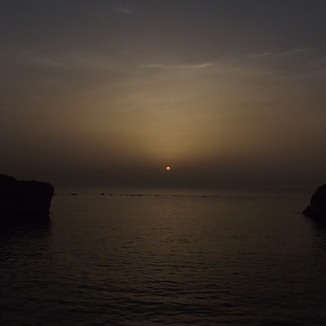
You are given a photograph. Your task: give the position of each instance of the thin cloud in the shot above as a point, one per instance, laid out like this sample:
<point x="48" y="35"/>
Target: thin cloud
<point x="281" y="54"/>
<point x="28" y="56"/>
<point x="124" y="10"/>
<point x="199" y="66"/>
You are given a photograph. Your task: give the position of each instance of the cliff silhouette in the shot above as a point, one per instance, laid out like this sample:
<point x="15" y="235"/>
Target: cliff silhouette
<point x="24" y="199"/>
<point x="317" y="207"/>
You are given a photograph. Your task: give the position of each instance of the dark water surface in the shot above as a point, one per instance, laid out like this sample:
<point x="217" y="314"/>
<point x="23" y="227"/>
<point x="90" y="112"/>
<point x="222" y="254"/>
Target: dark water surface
<point x="230" y="259"/>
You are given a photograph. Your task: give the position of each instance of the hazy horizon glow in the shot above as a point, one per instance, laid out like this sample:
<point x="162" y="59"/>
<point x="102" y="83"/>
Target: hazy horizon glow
<point x="227" y="93"/>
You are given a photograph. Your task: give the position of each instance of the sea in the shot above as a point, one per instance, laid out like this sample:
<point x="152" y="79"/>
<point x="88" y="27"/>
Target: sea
<point x="166" y="257"/>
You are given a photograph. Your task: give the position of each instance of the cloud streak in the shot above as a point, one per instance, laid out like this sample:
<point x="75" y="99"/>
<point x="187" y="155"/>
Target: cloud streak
<point x="179" y="66"/>
<point x="281" y="54"/>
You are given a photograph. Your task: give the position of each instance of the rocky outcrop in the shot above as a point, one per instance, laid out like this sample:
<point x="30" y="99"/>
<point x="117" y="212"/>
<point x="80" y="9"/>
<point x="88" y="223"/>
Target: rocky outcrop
<point x="24" y="198"/>
<point x="317" y="207"/>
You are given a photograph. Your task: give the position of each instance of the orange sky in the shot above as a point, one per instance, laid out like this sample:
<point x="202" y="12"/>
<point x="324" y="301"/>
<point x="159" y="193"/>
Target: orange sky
<point x="111" y="92"/>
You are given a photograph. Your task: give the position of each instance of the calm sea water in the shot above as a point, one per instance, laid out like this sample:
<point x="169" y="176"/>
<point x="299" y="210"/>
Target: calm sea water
<point x="168" y="257"/>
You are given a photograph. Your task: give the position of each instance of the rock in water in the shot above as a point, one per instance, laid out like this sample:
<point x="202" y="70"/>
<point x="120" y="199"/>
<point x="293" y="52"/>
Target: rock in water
<point x="317" y="207"/>
<point x="24" y="198"/>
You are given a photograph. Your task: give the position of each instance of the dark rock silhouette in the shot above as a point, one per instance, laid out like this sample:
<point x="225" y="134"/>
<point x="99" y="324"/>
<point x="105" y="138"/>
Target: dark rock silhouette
<point x="317" y="207"/>
<point x="24" y="199"/>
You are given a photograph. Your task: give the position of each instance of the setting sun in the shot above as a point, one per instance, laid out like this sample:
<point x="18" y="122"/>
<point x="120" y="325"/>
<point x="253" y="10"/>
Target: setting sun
<point x="168" y="168"/>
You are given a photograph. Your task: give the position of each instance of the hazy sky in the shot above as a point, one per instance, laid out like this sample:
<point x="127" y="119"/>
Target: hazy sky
<point x="229" y="93"/>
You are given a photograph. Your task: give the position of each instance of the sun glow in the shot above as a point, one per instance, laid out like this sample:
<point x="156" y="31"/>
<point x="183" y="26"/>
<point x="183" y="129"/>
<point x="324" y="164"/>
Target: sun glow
<point x="168" y="168"/>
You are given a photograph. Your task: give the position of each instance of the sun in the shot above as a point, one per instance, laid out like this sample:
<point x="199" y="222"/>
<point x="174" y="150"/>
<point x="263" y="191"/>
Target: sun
<point x="168" y="168"/>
